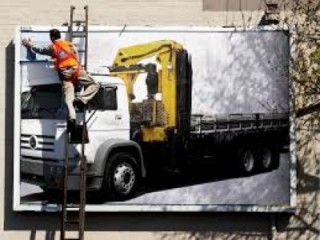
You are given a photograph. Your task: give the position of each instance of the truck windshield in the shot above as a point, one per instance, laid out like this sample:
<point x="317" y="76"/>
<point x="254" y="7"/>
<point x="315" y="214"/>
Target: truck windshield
<point x="42" y="102"/>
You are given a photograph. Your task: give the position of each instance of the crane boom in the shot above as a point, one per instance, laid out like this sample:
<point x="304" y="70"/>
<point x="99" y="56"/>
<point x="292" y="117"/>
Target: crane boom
<point x="159" y="115"/>
<point x="134" y="54"/>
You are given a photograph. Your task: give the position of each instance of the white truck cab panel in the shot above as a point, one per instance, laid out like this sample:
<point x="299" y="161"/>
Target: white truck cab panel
<point x="107" y="124"/>
<point x="43" y="129"/>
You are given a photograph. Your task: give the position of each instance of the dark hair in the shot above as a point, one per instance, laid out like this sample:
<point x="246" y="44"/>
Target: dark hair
<point x="55" y="34"/>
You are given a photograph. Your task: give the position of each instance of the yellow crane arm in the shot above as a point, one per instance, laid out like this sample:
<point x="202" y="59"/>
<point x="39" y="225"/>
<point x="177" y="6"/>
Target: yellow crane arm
<point x="127" y="66"/>
<point x="134" y="54"/>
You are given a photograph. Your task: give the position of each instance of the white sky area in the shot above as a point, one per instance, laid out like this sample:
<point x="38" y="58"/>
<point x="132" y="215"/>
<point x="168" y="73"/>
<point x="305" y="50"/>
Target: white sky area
<point x="233" y="72"/>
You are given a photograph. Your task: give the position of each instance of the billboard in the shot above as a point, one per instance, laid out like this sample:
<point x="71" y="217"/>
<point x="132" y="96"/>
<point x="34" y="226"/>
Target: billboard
<point x="186" y="119"/>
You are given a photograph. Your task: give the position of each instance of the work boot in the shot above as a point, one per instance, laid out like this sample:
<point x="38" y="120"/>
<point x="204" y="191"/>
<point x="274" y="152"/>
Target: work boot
<point x="79" y="104"/>
<point x="76" y="135"/>
<point x="71" y="125"/>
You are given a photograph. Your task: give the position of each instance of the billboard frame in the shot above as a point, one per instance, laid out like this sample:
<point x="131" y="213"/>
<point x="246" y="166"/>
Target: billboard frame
<point x="18" y="206"/>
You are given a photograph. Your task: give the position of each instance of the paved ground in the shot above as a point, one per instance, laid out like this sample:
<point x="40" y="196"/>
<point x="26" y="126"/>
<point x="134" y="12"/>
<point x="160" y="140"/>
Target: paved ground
<point x="205" y="185"/>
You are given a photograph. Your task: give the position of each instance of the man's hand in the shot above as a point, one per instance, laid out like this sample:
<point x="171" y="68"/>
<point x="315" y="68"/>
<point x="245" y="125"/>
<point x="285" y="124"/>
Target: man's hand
<point x="27" y="42"/>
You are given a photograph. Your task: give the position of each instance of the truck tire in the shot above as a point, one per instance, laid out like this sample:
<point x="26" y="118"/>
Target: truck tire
<point x="269" y="158"/>
<point x="120" y="177"/>
<point x="247" y="161"/>
<point x="266" y="158"/>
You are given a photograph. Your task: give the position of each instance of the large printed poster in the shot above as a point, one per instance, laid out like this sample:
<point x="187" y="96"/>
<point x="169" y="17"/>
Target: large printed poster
<point x="185" y="119"/>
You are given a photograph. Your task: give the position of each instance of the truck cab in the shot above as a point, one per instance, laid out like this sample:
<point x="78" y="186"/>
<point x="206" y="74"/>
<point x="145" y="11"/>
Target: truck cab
<point x="43" y="130"/>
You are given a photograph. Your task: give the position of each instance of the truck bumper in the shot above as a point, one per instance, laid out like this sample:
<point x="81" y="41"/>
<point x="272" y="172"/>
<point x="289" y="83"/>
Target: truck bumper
<point x="48" y="174"/>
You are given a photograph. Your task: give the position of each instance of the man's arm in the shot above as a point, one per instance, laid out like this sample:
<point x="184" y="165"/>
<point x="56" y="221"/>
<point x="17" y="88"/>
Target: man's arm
<point x="41" y="50"/>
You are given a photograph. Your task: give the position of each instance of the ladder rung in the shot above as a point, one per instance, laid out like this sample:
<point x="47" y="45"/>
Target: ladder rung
<point x="73" y="221"/>
<point x="81" y="51"/>
<point x="73" y="206"/>
<point x="78" y="36"/>
<point x="72" y="239"/>
<point x="79" y="31"/>
<point x="89" y="174"/>
<point x="79" y="21"/>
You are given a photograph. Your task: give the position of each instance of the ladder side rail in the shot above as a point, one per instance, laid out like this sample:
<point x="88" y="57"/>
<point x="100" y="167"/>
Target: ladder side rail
<point x="65" y="186"/>
<point x="83" y="187"/>
<point x="83" y="164"/>
<point x="72" y="8"/>
<point x="86" y="8"/>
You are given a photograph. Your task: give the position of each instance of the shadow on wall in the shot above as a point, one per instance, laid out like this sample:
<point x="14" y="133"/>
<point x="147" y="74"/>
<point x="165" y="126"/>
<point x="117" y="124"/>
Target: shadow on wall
<point x="196" y="225"/>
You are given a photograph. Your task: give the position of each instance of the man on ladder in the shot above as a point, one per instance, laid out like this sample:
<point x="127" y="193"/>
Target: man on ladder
<point x="70" y="73"/>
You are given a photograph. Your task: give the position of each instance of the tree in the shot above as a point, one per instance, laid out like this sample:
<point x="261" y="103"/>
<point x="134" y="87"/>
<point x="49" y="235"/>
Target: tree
<point x="303" y="18"/>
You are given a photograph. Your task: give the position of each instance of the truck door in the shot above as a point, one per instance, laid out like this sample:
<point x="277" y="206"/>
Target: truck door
<point x="107" y="118"/>
<point x="105" y="113"/>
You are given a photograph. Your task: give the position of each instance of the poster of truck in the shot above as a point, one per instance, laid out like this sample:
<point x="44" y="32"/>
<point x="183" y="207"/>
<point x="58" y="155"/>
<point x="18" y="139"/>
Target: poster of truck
<point x="185" y="119"/>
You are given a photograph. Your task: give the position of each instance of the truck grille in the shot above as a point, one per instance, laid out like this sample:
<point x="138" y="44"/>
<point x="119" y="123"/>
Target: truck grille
<point x="37" y="142"/>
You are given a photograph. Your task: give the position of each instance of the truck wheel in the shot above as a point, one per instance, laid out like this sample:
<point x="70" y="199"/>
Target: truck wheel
<point x="121" y="176"/>
<point x="247" y="161"/>
<point x="269" y="158"/>
<point x="266" y="158"/>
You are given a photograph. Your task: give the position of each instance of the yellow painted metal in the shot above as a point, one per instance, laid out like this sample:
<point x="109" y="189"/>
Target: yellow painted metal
<point x="132" y="55"/>
<point x="129" y="78"/>
<point x="153" y="134"/>
<point x="165" y="52"/>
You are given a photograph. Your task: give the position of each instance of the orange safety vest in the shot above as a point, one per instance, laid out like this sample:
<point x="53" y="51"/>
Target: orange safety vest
<point x="64" y="57"/>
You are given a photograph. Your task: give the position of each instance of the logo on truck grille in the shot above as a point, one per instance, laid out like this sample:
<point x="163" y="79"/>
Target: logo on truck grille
<point x="33" y="142"/>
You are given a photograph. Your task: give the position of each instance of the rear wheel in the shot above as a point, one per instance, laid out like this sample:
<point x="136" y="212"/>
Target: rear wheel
<point x="121" y="176"/>
<point x="266" y="158"/>
<point x="247" y="161"/>
<point x="269" y="158"/>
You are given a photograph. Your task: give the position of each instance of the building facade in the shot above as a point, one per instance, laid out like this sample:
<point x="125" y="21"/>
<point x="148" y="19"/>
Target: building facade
<point x="304" y="224"/>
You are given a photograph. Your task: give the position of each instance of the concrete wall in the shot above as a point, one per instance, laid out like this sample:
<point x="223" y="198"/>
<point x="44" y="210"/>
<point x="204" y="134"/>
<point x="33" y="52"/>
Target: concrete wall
<point x="303" y="225"/>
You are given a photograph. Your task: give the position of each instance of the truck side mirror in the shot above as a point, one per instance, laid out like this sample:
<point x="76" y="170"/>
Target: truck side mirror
<point x="105" y="99"/>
